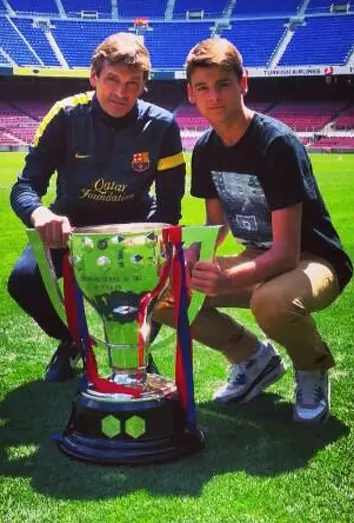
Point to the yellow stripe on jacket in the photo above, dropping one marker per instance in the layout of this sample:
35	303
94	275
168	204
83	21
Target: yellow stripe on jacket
71	101
169	162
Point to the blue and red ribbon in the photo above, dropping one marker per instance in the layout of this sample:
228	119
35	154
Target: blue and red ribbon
184	346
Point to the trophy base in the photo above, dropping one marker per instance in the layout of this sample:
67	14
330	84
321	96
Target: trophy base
138	432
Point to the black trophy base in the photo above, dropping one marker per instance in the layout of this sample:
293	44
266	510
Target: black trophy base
128	432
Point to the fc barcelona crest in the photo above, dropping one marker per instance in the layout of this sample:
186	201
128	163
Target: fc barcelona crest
140	161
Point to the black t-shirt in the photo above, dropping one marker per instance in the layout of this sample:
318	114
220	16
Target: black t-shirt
268	169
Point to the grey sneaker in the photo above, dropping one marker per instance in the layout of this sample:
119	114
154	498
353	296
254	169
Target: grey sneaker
312	396
249	377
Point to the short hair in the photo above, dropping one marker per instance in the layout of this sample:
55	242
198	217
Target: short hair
214	51
122	48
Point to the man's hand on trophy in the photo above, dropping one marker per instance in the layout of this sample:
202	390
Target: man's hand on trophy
53	229
191	255
209	278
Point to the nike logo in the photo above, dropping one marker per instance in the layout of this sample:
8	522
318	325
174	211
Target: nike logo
79	156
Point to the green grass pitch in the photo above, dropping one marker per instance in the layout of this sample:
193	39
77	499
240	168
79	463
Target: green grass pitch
258	465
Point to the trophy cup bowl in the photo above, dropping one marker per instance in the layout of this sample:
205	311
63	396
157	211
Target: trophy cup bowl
117	268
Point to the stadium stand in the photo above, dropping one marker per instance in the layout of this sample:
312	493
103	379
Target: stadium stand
4	61
309	116
259	7
320	6
293	33
20	115
324	40
34	6
208	7
188	142
188	119
346	120
170	53
142	8
14	45
326	142
260	107
167	94
38	41
313	41
68	33
103	7
7	140
256	51
166	52
16	124
36	110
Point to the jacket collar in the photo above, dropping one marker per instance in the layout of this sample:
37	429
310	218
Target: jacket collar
110	121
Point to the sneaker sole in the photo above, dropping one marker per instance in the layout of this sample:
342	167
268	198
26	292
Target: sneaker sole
270	374
323	418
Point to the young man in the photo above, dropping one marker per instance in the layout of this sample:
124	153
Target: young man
256	179
108	147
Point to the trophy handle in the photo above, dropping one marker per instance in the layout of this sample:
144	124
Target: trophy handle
206	236
45	265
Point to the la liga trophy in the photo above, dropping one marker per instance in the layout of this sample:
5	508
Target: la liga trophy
132	416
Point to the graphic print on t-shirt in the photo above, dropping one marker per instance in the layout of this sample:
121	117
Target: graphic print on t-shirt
245	206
